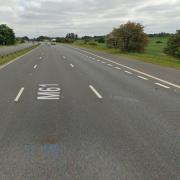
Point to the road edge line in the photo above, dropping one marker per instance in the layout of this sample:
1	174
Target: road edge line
16	59
132	69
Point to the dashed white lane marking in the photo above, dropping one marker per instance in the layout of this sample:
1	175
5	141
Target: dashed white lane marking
98	60
19	94
132	69
95	92
109	65
40	57
103	62
128	72
64	57
162	85
72	65
141	77
35	66
118	68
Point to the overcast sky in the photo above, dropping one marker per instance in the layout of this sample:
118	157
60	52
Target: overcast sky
87	17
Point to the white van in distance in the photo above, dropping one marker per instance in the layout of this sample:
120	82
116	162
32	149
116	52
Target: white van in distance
53	42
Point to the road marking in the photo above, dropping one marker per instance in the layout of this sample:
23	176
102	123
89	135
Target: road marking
95	92
19	94
141	77
16	59
128	72
109	65
103	62
118	68
132	69
98	60
64	57
72	65
40	57
35	66
48	92
162	85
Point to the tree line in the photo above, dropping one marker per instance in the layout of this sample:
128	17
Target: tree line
130	37
7	35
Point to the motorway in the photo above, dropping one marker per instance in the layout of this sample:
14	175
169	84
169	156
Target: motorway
67	113
11	49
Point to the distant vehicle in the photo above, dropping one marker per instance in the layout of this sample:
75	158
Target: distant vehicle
53	42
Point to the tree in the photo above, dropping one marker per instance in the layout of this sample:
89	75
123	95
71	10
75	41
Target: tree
173	45
71	37
25	38
111	41
7	35
60	39
99	39
42	38
128	37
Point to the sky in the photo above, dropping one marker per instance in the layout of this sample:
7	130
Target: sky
87	17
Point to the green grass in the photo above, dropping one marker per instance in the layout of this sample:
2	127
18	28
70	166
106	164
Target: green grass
153	53
10	57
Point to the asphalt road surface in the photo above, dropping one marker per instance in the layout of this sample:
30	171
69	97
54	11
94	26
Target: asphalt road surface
68	114
11	49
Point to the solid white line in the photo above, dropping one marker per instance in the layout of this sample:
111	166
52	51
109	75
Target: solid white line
110	65
118	68
132	69
35	66
128	72
162	85
95	92
14	60
72	65
44	85
19	94
143	78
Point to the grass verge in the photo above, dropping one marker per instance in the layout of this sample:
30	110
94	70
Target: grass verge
6	58
153	54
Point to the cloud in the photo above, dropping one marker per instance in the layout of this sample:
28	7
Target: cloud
87	17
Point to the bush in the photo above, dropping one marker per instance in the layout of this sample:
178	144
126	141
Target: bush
92	43
159	42
173	46
128	37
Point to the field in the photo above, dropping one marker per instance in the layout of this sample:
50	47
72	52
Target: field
153	53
